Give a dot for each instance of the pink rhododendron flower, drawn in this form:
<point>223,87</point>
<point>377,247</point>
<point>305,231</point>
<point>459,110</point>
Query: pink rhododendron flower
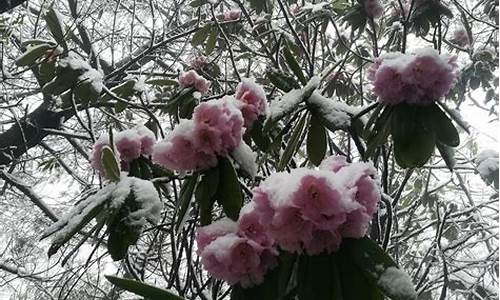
<point>192,79</point>
<point>317,198</point>
<point>215,130</point>
<point>128,143</point>
<point>356,224</point>
<point>252,100</point>
<point>302,211</point>
<point>252,225</point>
<point>179,152</point>
<point>96,154</point>
<point>322,240</point>
<point>237,260</point>
<point>373,8</point>
<point>460,37</point>
<point>232,15</point>
<point>198,62</point>
<point>207,234</point>
<point>147,139</point>
<point>333,163</point>
<point>418,78</point>
<point>294,9</point>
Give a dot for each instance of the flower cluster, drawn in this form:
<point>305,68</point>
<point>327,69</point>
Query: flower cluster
<point>230,252</point>
<point>130,144</point>
<point>251,100</point>
<point>232,15</point>
<point>373,8</point>
<point>302,211</point>
<point>418,78</point>
<point>215,129</point>
<point>460,37</point>
<point>198,62</point>
<point>192,79</point>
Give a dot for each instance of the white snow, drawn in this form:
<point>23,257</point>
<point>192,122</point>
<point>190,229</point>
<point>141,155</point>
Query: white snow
<point>336,113</point>
<point>145,193</point>
<point>245,158</point>
<point>285,105</point>
<point>116,193</point>
<point>70,221</point>
<point>397,283</point>
<point>315,7</point>
<point>487,164</point>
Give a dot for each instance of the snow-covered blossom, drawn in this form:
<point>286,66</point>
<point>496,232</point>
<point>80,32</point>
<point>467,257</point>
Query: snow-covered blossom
<point>215,130</point>
<point>237,259</point>
<point>130,144</point>
<point>373,8</point>
<point>96,154</point>
<point>232,15</point>
<point>421,77</point>
<point>198,62</point>
<point>237,252</point>
<point>251,100</point>
<point>301,211</point>
<point>192,79</point>
<point>460,37</point>
<point>333,163</point>
<point>147,138</point>
<point>294,8</point>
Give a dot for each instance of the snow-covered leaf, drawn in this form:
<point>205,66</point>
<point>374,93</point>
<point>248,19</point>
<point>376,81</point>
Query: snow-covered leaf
<point>245,159</point>
<point>380,268</point>
<point>32,54</point>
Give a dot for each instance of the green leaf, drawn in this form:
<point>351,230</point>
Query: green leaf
<point>142,289</point>
<point>55,24</point>
<point>120,106</point>
<point>261,5</point>
<point>381,130</point>
<point>123,90</point>
<point>282,81</point>
<point>448,154</point>
<point>229,194</point>
<point>185,197</point>
<point>198,3</point>
<point>6,5</point>
<point>374,263</point>
<point>294,64</point>
<point>121,236</point>
<point>86,92</point>
<point>205,194</point>
<point>356,17</point>
<point>316,141</point>
<point>413,135</point>
<point>162,82</point>
<point>446,132</point>
<point>318,278</point>
<point>32,54</point>
<point>352,278</point>
<point>293,144</point>
<point>110,164</point>
<point>259,137</point>
<point>201,35</point>
<point>211,41</point>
